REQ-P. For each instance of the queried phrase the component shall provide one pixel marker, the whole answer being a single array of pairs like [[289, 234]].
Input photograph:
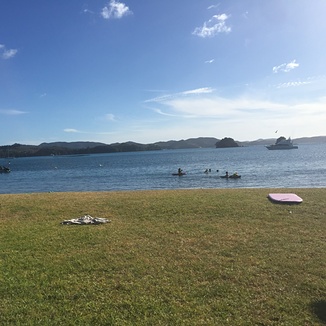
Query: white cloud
[[71, 130], [217, 24], [7, 53], [210, 61], [12, 112], [115, 9], [285, 67]]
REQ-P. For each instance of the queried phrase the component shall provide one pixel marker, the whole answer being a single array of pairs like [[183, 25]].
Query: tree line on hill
[[84, 148], [19, 150]]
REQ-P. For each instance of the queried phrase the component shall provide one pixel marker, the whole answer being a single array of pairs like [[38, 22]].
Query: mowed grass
[[183, 257]]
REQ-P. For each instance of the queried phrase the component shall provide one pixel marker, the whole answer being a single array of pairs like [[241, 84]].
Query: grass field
[[183, 257]]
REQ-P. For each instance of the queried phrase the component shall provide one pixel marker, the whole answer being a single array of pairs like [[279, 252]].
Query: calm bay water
[[258, 167]]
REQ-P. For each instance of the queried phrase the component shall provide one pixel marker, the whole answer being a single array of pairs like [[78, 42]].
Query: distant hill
[[310, 140], [261, 142], [201, 142], [72, 145], [85, 147], [226, 143], [73, 148]]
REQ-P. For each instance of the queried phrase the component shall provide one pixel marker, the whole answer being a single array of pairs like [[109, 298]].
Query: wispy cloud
[[293, 84], [87, 11], [115, 9], [197, 91], [214, 26], [172, 115], [206, 104], [241, 108], [159, 98], [319, 81], [71, 130], [203, 90], [210, 61], [7, 53], [213, 6], [109, 117], [12, 112], [218, 107], [245, 15], [285, 67], [76, 131]]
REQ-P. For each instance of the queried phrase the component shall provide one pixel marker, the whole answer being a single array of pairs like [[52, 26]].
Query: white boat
[[282, 143]]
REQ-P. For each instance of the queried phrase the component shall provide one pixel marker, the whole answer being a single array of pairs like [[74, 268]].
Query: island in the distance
[[226, 143]]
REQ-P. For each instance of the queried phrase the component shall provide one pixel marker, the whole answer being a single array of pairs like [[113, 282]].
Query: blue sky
[[147, 71]]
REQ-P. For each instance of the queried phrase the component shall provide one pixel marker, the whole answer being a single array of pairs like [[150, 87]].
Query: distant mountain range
[[206, 142], [83, 148]]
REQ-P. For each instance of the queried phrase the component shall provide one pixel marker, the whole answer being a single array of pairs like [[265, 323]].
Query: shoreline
[[170, 190]]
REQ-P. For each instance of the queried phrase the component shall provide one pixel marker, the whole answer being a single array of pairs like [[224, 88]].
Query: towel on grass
[[85, 220]]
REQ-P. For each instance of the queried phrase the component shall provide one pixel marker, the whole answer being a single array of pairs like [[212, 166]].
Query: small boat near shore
[[282, 144]]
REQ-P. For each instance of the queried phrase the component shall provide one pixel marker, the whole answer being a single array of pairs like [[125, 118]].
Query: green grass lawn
[[184, 257]]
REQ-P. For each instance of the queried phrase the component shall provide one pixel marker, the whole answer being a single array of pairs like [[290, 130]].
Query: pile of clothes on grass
[[86, 220]]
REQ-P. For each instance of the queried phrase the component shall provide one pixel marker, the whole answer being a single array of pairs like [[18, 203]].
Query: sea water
[[258, 167]]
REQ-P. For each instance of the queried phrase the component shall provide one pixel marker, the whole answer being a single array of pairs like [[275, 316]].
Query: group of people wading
[[235, 175]]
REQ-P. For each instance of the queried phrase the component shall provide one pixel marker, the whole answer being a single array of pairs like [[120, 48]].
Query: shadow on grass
[[319, 309]]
